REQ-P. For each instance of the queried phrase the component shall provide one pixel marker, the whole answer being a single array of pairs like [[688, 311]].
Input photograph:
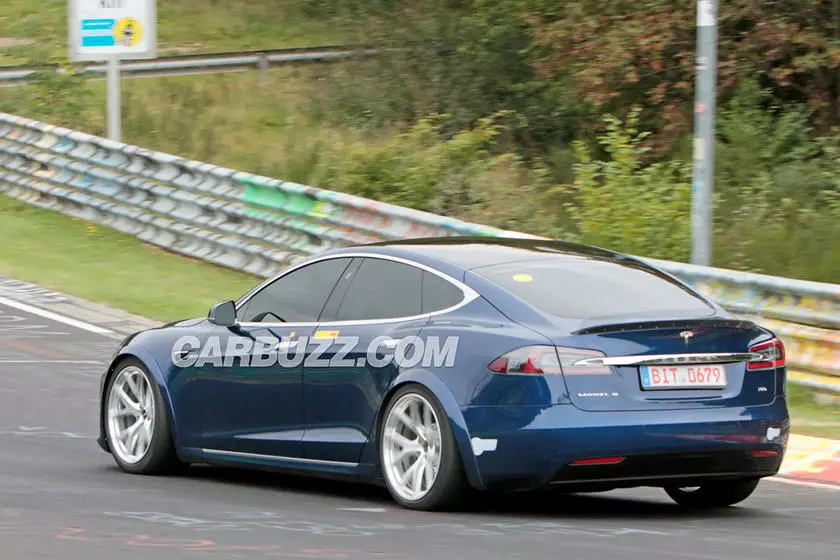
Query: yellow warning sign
[[128, 32]]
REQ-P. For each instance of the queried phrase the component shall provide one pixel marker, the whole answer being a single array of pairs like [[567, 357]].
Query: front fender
[[134, 348], [456, 420]]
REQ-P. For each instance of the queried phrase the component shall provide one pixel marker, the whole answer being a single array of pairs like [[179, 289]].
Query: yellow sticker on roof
[[523, 277], [325, 334]]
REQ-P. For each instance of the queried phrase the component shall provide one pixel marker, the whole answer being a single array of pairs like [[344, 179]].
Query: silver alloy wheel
[[131, 415], [411, 447]]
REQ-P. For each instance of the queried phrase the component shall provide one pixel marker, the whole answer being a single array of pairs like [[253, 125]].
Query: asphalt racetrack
[[62, 497]]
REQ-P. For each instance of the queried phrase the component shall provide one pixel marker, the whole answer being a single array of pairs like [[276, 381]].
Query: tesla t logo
[[686, 336]]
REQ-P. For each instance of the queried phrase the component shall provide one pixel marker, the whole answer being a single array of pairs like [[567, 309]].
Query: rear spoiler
[[667, 324]]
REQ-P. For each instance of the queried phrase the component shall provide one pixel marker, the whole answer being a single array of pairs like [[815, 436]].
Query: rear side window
[[382, 289], [590, 289], [439, 293]]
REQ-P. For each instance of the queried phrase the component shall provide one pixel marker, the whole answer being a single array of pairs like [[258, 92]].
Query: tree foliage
[[563, 63], [627, 53]]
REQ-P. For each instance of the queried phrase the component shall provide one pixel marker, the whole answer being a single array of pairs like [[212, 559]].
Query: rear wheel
[[419, 456], [713, 494], [136, 422]]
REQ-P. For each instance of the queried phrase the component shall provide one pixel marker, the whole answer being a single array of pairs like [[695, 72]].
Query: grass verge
[[228, 120], [103, 265], [810, 418]]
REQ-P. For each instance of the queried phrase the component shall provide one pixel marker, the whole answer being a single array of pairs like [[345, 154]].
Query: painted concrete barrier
[[260, 225]]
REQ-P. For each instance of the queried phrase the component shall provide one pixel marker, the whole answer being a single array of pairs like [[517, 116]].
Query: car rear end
[[649, 383]]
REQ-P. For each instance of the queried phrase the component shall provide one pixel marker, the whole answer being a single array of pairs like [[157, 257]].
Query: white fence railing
[[184, 65]]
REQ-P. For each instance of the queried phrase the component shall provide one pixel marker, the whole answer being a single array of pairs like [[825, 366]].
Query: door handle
[[285, 345], [391, 343]]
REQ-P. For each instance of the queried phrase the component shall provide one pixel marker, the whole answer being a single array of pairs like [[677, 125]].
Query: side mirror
[[223, 314]]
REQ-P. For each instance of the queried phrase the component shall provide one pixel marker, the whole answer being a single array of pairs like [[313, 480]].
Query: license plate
[[683, 377]]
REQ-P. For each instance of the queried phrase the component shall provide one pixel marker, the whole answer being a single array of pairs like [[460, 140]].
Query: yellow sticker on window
[[523, 277]]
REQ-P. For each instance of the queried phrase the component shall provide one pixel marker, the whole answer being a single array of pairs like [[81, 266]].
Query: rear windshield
[[589, 289]]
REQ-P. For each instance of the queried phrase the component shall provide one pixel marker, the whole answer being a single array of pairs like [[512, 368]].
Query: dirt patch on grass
[[8, 42]]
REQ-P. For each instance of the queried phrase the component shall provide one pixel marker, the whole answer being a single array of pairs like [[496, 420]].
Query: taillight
[[570, 358], [530, 359], [772, 352], [546, 360]]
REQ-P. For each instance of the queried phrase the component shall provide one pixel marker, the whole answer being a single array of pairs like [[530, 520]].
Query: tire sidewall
[[449, 480], [714, 495]]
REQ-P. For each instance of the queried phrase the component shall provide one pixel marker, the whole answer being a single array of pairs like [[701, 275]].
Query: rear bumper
[[535, 446]]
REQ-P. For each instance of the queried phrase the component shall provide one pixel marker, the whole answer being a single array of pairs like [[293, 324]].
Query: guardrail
[[260, 225], [184, 65]]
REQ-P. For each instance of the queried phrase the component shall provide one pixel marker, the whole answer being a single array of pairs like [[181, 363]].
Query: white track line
[[53, 316], [75, 362], [807, 483]]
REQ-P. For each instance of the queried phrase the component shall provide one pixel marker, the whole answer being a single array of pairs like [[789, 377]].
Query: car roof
[[476, 252]]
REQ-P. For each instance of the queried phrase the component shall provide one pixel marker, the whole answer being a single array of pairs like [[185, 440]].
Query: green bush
[[626, 204], [779, 187], [422, 169], [467, 60], [777, 193]]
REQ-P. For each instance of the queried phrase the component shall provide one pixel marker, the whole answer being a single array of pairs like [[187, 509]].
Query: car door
[[253, 395], [378, 303]]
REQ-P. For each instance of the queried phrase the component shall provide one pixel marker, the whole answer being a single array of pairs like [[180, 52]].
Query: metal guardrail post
[[263, 65]]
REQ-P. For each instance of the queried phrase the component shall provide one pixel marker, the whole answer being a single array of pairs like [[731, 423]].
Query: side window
[[439, 293], [296, 297], [382, 289]]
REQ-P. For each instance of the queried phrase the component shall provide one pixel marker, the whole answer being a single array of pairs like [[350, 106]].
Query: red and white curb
[[812, 462]]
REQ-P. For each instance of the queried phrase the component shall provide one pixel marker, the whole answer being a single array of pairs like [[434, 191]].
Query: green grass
[[229, 120], [812, 419], [103, 265], [184, 26]]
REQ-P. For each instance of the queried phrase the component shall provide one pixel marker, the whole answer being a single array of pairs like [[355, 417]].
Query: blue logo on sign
[[98, 32]]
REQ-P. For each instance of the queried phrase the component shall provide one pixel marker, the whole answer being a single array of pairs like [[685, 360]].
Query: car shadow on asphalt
[[544, 503]]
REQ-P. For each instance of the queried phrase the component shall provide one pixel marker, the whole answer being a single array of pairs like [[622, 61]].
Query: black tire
[[450, 485], [160, 458], [713, 494]]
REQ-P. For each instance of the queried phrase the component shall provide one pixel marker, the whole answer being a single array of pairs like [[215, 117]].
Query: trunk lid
[[620, 387]]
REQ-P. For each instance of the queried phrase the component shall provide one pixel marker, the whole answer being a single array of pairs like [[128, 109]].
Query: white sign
[[101, 29]]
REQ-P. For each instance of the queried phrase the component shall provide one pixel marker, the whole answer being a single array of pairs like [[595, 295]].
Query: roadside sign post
[[114, 105], [704, 133], [111, 30]]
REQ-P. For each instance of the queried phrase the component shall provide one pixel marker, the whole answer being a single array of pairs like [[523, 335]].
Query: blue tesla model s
[[434, 366]]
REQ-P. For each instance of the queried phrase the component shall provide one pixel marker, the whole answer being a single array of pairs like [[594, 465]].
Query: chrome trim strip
[[469, 294], [277, 457], [668, 359]]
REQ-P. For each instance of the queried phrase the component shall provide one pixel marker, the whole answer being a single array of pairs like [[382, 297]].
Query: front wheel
[[420, 460], [136, 422], [713, 494]]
